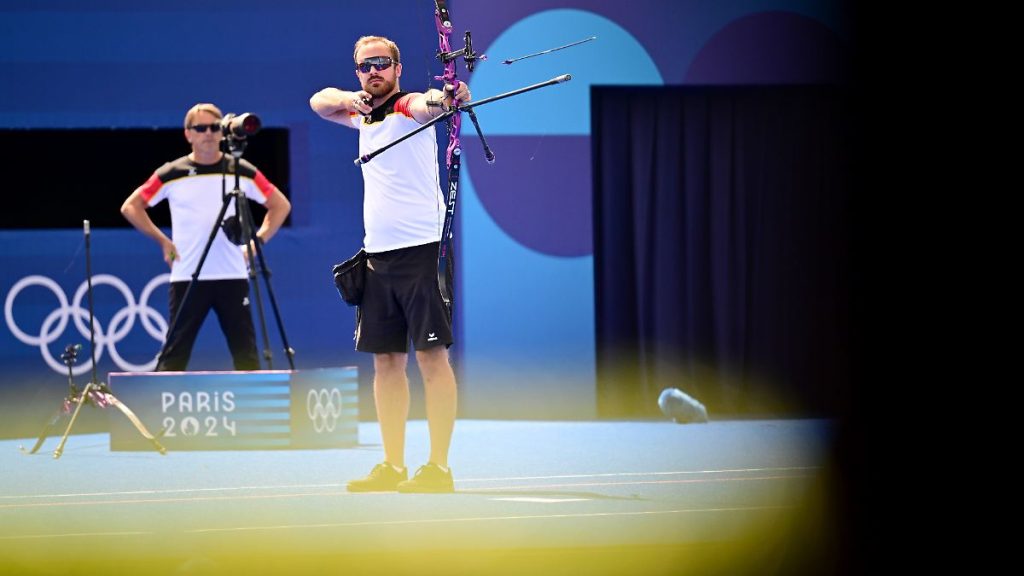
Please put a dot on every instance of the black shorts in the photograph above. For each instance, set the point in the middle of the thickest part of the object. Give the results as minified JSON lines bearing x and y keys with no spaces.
{"x":402,"y":302}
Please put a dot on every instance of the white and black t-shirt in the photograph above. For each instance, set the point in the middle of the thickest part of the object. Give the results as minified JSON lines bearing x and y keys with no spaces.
{"x":403,"y":205}
{"x":195,"y":195}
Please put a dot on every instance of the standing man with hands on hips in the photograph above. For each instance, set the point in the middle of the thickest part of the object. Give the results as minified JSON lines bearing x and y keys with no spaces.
{"x":193,"y":186}
{"x":403,"y":212}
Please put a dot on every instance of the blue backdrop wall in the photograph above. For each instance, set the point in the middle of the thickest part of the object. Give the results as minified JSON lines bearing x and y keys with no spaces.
{"x":526,"y":348}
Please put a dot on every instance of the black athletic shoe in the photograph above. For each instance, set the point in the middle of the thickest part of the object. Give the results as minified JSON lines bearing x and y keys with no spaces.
{"x":429,"y":479}
{"x":383,"y":478}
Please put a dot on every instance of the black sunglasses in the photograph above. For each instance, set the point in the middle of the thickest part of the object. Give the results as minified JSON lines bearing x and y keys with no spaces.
{"x":378,"y":62}
{"x":201,"y":128}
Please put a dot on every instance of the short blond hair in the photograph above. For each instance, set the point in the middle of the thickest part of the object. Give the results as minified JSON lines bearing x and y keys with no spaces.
{"x":201,"y":107}
{"x":395,"y":55}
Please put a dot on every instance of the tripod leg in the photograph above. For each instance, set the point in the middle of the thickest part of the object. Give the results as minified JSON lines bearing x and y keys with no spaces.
{"x":257,"y":296}
{"x":50,"y":425}
{"x":138,"y":423}
{"x":82,"y":398}
{"x":289,"y":352}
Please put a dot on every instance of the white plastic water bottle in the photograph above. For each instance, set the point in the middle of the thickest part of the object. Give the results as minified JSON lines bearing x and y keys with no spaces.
{"x":681,"y":407}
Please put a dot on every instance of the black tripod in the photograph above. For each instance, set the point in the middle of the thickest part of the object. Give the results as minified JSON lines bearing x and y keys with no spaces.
{"x":239,"y":229}
{"x":95,"y":392}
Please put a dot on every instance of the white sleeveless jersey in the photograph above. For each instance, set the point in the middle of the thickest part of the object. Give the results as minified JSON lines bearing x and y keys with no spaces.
{"x":402,"y":201}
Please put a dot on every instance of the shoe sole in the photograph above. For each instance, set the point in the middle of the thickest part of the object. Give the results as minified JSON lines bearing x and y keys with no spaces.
{"x":371,"y":489}
{"x":418,"y":490}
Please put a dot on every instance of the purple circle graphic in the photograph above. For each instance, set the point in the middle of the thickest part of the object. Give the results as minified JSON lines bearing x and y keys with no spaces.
{"x":538,"y":191}
{"x":771,"y":48}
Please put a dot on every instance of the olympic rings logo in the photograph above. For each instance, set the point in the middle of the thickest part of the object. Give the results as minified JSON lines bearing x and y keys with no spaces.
{"x":120,"y":325}
{"x":323,"y":408}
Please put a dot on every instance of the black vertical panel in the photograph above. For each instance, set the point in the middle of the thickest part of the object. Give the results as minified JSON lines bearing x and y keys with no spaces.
{"x":721,"y":248}
{"x":61,"y":177}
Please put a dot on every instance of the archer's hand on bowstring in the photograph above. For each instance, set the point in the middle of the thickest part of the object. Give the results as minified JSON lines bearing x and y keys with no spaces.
{"x":337,"y":105}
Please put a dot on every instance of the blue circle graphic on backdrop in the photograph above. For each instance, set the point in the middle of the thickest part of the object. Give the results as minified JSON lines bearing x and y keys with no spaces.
{"x":541,"y":139}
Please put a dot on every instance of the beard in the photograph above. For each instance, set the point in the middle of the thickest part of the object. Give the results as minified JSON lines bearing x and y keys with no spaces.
{"x":383,"y":88}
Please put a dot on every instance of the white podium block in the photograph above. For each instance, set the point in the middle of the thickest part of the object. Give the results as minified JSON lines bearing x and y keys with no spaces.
{"x":258,"y":410}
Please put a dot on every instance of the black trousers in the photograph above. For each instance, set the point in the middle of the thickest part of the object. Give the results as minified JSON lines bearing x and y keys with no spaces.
{"x":229,"y":299}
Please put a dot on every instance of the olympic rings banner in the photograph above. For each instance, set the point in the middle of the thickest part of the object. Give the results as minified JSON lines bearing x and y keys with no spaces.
{"x":45,"y":297}
{"x":68,"y":313}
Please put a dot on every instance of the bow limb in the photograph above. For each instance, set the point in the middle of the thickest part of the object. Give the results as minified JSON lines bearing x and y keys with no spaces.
{"x":449,"y":58}
{"x":454,"y":152}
